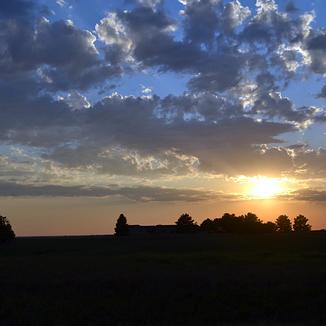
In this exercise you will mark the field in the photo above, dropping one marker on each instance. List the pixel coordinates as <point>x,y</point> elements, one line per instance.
<point>164,280</point>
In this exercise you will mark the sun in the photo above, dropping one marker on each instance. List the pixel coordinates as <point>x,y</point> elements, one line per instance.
<point>265,188</point>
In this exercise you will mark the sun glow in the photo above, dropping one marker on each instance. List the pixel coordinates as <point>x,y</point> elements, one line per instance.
<point>265,188</point>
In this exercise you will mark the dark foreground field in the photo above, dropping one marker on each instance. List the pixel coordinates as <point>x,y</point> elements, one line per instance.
<point>170,280</point>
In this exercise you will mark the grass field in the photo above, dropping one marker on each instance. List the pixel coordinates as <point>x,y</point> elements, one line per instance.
<point>164,280</point>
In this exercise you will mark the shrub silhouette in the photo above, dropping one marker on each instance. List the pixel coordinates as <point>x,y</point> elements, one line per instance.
<point>121,227</point>
<point>6,231</point>
<point>300,224</point>
<point>186,224</point>
<point>283,224</point>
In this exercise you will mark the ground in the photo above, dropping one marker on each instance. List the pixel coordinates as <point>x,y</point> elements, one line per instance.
<point>164,280</point>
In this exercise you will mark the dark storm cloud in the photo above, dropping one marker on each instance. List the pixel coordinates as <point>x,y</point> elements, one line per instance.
<point>138,193</point>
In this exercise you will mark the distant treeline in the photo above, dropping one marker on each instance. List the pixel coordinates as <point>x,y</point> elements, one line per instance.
<point>230,223</point>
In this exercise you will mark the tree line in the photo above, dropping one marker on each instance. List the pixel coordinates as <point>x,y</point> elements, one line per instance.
<point>248,223</point>
<point>230,223</point>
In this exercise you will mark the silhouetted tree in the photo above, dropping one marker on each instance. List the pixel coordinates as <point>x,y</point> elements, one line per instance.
<point>251,223</point>
<point>283,224</point>
<point>269,227</point>
<point>212,226</point>
<point>207,226</point>
<point>121,227</point>
<point>218,225</point>
<point>186,224</point>
<point>301,224</point>
<point>231,223</point>
<point>251,218</point>
<point>6,231</point>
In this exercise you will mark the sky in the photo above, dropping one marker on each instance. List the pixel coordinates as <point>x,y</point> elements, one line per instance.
<point>155,108</point>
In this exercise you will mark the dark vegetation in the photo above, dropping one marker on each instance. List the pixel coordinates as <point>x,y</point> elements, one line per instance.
<point>6,231</point>
<point>185,279</point>
<point>230,223</point>
<point>121,227</point>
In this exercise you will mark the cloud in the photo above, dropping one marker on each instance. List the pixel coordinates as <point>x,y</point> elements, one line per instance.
<point>61,3</point>
<point>126,134</point>
<point>232,119</point>
<point>234,15</point>
<point>316,45</point>
<point>149,3</point>
<point>222,44</point>
<point>138,127</point>
<point>139,193</point>
<point>77,101</point>
<point>274,105</point>
<point>309,195</point>
<point>61,54</point>
<point>311,162</point>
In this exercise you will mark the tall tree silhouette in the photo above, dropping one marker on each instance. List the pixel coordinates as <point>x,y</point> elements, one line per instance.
<point>6,231</point>
<point>301,224</point>
<point>283,224</point>
<point>207,226</point>
<point>186,224</point>
<point>121,227</point>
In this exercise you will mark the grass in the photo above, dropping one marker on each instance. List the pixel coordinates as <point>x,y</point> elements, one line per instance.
<point>164,280</point>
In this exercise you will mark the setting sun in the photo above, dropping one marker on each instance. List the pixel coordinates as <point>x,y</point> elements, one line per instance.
<point>265,188</point>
